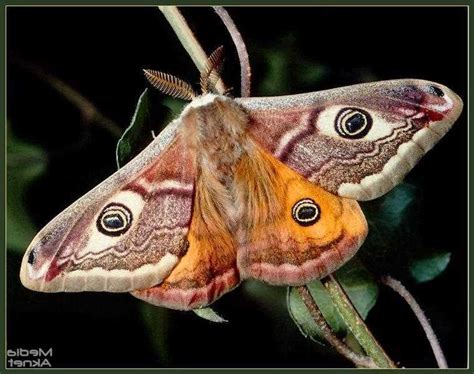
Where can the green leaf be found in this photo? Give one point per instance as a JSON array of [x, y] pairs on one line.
[[426, 269], [394, 244], [394, 208], [149, 114], [393, 224], [301, 316], [25, 163], [359, 286], [175, 107], [134, 131], [209, 314]]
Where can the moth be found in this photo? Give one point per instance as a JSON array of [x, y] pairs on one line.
[[236, 188]]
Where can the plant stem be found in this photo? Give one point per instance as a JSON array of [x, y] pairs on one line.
[[331, 338], [187, 39], [420, 315], [245, 72], [356, 324]]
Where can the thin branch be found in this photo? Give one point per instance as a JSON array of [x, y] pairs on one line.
[[89, 111], [328, 334], [420, 315], [356, 324], [187, 39], [245, 72]]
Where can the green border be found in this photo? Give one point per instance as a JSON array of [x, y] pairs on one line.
[[3, 183], [209, 2], [241, 3]]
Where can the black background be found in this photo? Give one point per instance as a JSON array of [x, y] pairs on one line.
[[101, 51]]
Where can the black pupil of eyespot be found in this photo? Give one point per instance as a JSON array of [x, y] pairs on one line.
[[355, 123], [113, 221], [306, 212], [436, 91], [31, 257]]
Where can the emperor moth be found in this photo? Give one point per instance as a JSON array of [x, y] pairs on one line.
[[238, 188]]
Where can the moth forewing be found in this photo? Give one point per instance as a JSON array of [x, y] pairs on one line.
[[406, 118], [79, 250]]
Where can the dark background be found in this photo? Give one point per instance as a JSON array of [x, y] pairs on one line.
[[101, 51]]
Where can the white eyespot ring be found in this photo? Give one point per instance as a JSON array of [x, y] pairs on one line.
[[353, 123], [306, 212], [114, 220]]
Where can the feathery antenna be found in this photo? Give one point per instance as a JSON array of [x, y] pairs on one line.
[[170, 85], [211, 73]]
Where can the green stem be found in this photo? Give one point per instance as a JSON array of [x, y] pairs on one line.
[[187, 39], [358, 359], [356, 324]]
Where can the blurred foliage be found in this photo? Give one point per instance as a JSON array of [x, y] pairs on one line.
[[157, 322], [25, 163], [285, 67], [394, 207], [428, 268], [394, 244]]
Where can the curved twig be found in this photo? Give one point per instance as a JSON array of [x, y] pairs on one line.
[[399, 288], [245, 72]]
